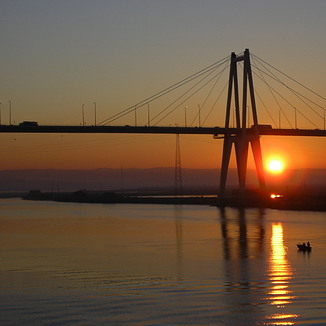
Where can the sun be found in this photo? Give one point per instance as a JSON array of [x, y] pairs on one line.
[[275, 166]]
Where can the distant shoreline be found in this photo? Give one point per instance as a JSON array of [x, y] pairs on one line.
[[298, 202]]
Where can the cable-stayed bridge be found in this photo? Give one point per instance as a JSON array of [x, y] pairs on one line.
[[241, 127]]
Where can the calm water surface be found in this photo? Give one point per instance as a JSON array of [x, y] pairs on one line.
[[80, 264]]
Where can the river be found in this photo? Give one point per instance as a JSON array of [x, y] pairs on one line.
[[135, 264]]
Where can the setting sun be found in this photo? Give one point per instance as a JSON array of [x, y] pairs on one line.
[[275, 166]]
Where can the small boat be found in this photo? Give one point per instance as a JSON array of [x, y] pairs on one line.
[[303, 247]]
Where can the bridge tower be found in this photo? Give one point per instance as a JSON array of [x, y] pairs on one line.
[[243, 138]]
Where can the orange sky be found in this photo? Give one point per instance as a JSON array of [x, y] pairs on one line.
[[60, 58], [69, 151]]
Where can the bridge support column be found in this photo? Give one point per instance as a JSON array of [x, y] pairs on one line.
[[258, 157], [227, 147], [241, 144], [241, 151]]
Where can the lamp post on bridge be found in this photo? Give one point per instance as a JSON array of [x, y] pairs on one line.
[[135, 116], [9, 112], [0, 113], [83, 115], [295, 117], [279, 118], [199, 122], [95, 113], [148, 117], [186, 107]]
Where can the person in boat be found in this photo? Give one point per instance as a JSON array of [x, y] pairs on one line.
[[304, 246]]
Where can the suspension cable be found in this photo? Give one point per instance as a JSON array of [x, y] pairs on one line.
[[307, 88], [210, 111], [184, 81], [296, 93], [270, 88], [186, 98], [210, 92]]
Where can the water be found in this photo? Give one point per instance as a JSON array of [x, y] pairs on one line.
[[81, 264]]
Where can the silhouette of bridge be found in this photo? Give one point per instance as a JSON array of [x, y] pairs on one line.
[[214, 131], [241, 135]]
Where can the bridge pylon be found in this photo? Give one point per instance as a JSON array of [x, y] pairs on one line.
[[242, 139]]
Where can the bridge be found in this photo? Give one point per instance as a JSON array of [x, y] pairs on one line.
[[214, 131], [240, 133]]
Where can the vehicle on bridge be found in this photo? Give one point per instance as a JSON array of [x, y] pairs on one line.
[[28, 124], [262, 127]]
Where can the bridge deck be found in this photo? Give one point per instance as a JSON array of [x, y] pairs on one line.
[[216, 131]]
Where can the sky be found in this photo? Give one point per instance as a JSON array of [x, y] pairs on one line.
[[59, 57]]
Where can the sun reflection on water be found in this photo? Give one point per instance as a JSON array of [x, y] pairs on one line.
[[280, 274]]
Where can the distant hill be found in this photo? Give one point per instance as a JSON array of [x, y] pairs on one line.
[[102, 179], [135, 179]]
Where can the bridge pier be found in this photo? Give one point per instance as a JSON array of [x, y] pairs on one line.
[[241, 145]]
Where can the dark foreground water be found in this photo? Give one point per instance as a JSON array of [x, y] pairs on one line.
[[73, 264]]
